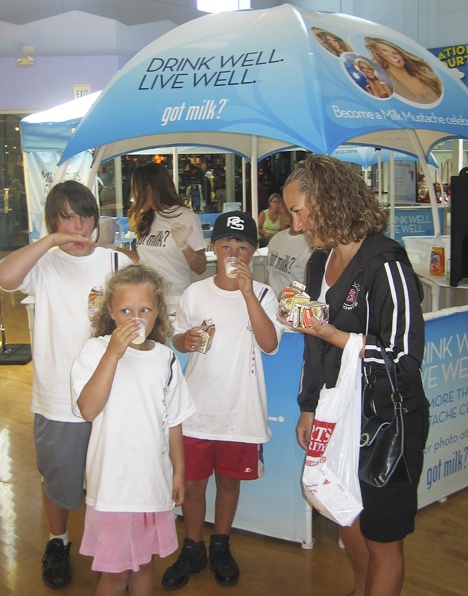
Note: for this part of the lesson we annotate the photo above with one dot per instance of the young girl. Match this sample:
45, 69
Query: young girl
136, 397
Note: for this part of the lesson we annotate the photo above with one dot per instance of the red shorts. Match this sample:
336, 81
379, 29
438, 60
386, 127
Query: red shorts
240, 461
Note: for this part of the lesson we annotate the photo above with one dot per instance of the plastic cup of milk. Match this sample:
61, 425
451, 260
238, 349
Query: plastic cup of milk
230, 264
140, 338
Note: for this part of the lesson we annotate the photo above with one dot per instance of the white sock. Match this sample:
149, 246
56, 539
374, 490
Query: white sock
63, 537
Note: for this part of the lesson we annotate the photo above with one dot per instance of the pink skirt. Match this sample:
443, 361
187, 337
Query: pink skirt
124, 541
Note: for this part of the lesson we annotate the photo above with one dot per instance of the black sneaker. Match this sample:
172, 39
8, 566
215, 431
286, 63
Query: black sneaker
56, 570
222, 562
192, 559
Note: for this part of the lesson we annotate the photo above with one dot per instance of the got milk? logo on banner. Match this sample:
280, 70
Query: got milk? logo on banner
445, 377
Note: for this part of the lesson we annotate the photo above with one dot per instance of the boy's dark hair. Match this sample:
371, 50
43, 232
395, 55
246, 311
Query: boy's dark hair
70, 194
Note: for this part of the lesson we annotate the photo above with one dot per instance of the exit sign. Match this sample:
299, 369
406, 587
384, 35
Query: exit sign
81, 90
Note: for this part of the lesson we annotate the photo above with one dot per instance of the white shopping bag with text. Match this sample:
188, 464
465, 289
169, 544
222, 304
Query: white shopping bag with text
330, 477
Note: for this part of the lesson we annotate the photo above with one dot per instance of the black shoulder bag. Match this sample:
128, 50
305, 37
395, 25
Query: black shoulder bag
382, 459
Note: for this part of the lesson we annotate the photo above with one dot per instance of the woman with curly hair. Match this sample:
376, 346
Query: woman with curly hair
412, 77
169, 235
371, 289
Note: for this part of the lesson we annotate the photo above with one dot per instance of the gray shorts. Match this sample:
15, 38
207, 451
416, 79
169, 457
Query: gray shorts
61, 458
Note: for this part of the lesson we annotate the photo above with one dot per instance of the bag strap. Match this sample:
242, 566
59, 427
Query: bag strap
391, 371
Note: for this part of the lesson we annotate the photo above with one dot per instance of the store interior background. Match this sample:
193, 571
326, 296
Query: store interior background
49, 48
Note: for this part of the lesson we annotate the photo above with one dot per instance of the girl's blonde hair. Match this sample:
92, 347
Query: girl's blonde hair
134, 275
343, 208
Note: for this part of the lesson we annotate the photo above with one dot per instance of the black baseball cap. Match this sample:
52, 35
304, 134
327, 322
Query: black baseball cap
235, 224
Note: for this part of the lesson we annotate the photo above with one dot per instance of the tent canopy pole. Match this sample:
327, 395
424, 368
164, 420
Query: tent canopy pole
254, 176
430, 186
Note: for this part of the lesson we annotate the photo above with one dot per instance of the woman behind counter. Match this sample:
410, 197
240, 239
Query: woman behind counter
169, 235
270, 221
371, 288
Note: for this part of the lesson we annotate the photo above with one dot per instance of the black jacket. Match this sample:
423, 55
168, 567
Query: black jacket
378, 293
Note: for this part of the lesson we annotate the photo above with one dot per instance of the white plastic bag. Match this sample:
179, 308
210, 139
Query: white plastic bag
330, 478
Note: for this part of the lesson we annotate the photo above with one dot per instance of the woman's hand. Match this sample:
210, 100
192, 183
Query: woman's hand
304, 429
316, 329
324, 331
181, 234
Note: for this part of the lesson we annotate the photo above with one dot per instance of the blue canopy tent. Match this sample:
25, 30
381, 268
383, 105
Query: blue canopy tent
52, 129
44, 136
256, 82
369, 156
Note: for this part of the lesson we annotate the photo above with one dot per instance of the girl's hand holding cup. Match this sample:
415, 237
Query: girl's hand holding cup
123, 336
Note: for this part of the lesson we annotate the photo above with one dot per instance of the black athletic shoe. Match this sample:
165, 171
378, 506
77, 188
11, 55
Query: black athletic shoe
222, 562
56, 570
192, 559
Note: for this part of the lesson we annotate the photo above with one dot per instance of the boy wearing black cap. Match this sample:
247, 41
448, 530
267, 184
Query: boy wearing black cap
226, 433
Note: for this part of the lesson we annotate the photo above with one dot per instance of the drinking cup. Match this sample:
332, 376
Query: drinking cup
140, 338
230, 264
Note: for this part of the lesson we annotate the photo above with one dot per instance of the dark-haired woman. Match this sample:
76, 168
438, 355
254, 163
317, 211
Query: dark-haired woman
169, 235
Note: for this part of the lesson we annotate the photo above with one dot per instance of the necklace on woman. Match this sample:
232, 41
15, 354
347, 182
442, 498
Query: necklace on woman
353, 245
345, 259
335, 267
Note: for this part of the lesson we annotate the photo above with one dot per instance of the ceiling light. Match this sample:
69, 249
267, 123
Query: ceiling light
27, 58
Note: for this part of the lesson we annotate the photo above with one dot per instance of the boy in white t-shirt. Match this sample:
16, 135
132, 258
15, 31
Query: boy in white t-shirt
226, 433
65, 272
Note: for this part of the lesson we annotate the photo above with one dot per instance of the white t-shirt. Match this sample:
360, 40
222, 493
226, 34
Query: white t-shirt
61, 285
287, 259
128, 467
159, 250
227, 383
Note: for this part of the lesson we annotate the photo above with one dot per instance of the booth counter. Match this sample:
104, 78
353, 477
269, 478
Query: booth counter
438, 293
